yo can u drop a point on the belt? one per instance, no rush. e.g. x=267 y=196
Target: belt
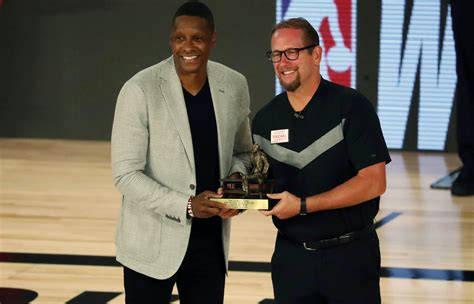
x=343 y=239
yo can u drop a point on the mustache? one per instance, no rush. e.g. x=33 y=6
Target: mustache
x=281 y=70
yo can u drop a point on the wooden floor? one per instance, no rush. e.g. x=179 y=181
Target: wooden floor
x=58 y=210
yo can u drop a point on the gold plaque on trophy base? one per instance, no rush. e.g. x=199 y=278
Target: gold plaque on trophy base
x=244 y=203
x=237 y=198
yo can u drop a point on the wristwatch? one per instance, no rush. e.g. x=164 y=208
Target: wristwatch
x=303 y=206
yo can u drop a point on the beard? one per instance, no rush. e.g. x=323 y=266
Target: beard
x=291 y=86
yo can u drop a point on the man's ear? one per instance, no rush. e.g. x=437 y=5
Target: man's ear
x=213 y=39
x=317 y=53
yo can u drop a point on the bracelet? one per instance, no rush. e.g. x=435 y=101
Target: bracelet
x=190 y=208
x=303 y=206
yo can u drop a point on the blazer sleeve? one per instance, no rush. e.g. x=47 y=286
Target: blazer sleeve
x=243 y=140
x=129 y=156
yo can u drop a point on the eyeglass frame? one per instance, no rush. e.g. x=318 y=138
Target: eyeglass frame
x=298 y=50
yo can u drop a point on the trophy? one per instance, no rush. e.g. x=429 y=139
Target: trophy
x=249 y=191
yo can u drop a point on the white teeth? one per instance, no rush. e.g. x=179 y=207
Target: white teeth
x=287 y=72
x=189 y=57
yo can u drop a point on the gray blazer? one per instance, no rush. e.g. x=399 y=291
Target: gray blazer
x=153 y=161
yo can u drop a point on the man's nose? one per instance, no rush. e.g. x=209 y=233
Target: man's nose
x=188 y=43
x=284 y=60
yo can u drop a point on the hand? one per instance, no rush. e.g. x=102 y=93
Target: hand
x=228 y=213
x=225 y=212
x=203 y=207
x=288 y=206
x=235 y=175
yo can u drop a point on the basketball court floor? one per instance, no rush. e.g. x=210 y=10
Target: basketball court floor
x=58 y=210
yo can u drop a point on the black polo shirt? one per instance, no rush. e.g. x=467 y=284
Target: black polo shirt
x=336 y=134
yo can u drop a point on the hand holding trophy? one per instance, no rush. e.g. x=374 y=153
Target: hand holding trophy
x=249 y=191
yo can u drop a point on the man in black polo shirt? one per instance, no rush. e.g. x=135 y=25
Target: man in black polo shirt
x=327 y=155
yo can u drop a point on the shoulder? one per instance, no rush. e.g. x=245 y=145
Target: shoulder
x=147 y=81
x=271 y=106
x=153 y=73
x=348 y=98
x=269 y=109
x=216 y=68
x=343 y=92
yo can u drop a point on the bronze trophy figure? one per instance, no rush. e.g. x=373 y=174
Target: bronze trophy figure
x=249 y=191
x=258 y=170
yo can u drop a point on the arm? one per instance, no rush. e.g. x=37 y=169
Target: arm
x=129 y=157
x=370 y=182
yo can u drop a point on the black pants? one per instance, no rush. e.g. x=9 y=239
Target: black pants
x=200 y=278
x=348 y=273
x=463 y=22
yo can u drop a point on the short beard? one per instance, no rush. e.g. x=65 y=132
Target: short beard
x=292 y=86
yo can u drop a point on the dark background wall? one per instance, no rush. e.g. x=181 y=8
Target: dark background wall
x=63 y=62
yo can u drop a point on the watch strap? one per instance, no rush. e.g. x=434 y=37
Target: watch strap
x=303 y=210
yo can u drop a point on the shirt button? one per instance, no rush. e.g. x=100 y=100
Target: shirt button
x=192 y=187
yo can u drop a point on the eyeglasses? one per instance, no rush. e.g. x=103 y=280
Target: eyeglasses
x=290 y=54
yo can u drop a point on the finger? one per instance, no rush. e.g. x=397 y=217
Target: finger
x=234 y=212
x=225 y=212
x=266 y=213
x=229 y=213
x=220 y=191
x=210 y=211
x=218 y=205
x=201 y=214
x=210 y=194
x=275 y=195
x=230 y=210
x=215 y=195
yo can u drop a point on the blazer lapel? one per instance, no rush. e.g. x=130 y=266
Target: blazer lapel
x=219 y=93
x=174 y=98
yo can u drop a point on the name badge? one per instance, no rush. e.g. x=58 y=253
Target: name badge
x=279 y=136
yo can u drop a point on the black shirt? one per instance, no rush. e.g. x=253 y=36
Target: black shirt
x=202 y=122
x=337 y=134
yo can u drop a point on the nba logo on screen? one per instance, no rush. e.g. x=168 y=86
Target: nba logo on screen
x=335 y=21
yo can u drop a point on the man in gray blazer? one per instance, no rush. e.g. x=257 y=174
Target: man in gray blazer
x=179 y=127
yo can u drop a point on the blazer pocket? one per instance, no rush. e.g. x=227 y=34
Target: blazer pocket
x=140 y=233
